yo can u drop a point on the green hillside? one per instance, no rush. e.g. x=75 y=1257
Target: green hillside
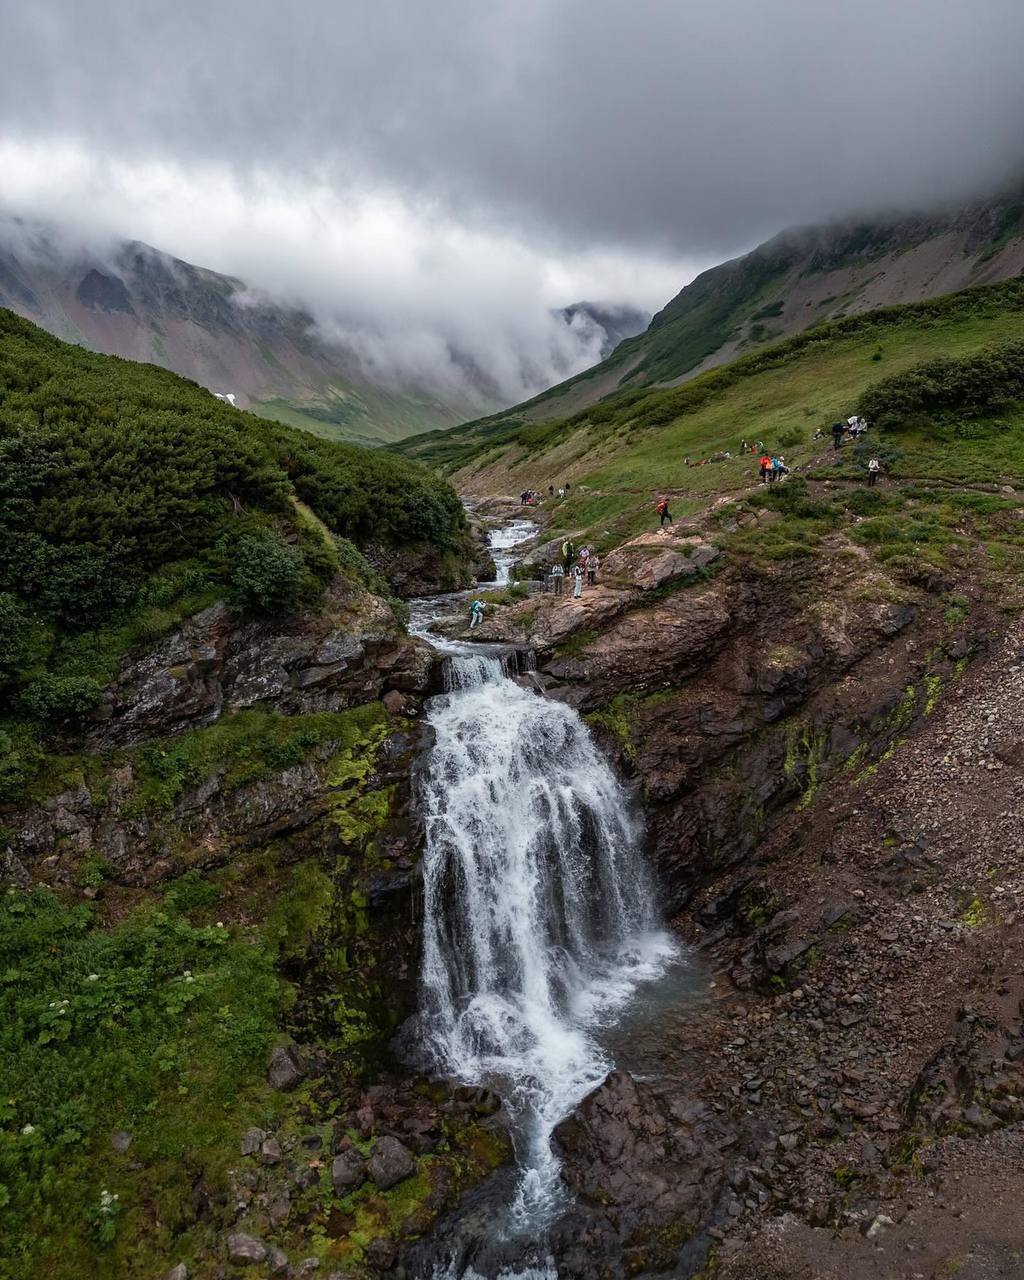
x=635 y=443
x=792 y=283
x=130 y=497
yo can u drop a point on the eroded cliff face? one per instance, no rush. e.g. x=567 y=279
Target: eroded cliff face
x=798 y=733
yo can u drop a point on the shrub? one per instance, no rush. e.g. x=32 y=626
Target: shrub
x=968 y=387
x=14 y=624
x=268 y=574
x=57 y=696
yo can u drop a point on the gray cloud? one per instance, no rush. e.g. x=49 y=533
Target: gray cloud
x=436 y=177
x=698 y=125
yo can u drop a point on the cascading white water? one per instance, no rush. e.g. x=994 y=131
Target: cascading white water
x=538 y=912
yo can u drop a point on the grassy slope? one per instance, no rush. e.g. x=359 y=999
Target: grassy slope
x=616 y=462
x=364 y=416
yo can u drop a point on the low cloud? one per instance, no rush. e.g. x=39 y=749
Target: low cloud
x=467 y=313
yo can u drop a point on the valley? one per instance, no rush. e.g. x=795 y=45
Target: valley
x=672 y=928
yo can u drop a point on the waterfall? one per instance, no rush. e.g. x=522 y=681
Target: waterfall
x=539 y=919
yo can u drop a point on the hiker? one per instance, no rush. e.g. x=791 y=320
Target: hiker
x=577 y=586
x=837 y=435
x=663 y=513
x=476 y=613
x=568 y=554
x=779 y=468
x=764 y=464
x=874 y=466
x=557 y=578
x=584 y=557
x=593 y=564
x=551 y=490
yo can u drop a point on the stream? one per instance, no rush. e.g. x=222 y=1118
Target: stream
x=540 y=916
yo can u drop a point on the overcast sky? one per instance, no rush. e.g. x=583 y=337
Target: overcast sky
x=454 y=168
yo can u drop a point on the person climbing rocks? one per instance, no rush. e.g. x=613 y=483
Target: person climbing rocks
x=663 y=513
x=568 y=554
x=837 y=434
x=476 y=613
x=557 y=578
x=764 y=464
x=584 y=557
x=593 y=564
x=577 y=585
x=874 y=467
x=779 y=468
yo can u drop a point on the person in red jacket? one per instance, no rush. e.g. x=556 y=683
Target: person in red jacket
x=663 y=513
x=765 y=465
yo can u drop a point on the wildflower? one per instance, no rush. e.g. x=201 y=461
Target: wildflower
x=189 y=978
x=93 y=977
x=28 y=1129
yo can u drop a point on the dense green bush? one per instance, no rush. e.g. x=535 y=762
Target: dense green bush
x=57 y=696
x=975 y=386
x=109 y=469
x=267 y=574
x=14 y=625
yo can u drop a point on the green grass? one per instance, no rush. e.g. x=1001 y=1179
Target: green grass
x=630 y=448
x=159 y=1028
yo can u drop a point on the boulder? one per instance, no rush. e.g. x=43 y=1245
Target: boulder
x=652 y=1164
x=245 y=1251
x=287 y=1068
x=251 y=1141
x=348 y=1171
x=391 y=1162
x=178 y=1272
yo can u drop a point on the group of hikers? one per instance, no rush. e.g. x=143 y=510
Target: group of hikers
x=531 y=497
x=773 y=467
x=578 y=565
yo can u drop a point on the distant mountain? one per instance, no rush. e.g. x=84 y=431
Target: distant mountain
x=609 y=322
x=132 y=300
x=797 y=280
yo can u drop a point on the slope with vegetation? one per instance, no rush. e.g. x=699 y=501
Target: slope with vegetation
x=620 y=454
x=206 y=841
x=798 y=280
x=132 y=300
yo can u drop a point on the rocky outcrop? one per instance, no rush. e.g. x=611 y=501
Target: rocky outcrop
x=427 y=571
x=649 y=1171
x=348 y=651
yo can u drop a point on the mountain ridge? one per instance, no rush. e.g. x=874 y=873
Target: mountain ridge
x=798 y=278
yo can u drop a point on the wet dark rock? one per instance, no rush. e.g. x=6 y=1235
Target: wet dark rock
x=382 y=1253
x=390 y=1162
x=653 y=1166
